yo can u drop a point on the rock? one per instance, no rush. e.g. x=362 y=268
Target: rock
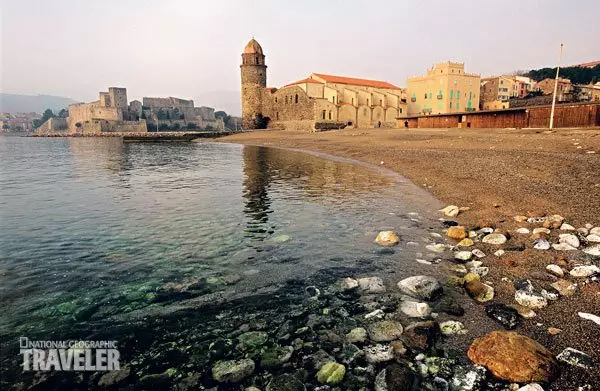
x=541 y=231
x=525 y=312
x=520 y=218
x=467 y=378
x=277 y=356
x=595 y=231
x=371 y=285
x=436 y=248
x=463 y=255
x=575 y=357
x=421 y=336
x=531 y=387
x=592 y=317
x=583 y=231
x=449 y=306
x=503 y=314
x=563 y=247
x=555 y=270
x=593 y=238
x=549 y=295
x=479 y=291
x=232 y=371
x=285 y=382
x=466 y=242
x=387 y=239
x=385 y=331
x=448 y=223
x=471 y=277
x=478 y=253
x=252 y=340
x=524 y=285
x=554 y=331
x=567 y=227
x=499 y=253
x=396 y=377
x=377 y=314
x=481 y=271
x=378 y=353
x=115 y=378
x=473 y=264
x=422 y=287
x=399 y=348
x=553 y=221
x=584 y=271
x=523 y=231
x=514 y=357
x=357 y=335
x=450 y=211
x=593 y=250
x=458 y=269
x=564 y=287
x=319 y=358
x=541 y=244
x=457 y=232
x=569 y=239
x=282 y=238
x=530 y=300
x=415 y=309
x=331 y=373
x=494 y=239
x=451 y=327
x=347 y=284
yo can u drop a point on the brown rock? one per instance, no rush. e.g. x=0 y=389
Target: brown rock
x=457 y=232
x=479 y=291
x=514 y=357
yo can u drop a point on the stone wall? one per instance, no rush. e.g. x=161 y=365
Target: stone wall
x=254 y=82
x=84 y=112
x=53 y=125
x=288 y=104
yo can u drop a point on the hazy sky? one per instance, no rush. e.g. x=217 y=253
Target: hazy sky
x=191 y=48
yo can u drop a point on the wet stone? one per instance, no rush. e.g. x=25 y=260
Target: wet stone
x=232 y=371
x=385 y=331
x=575 y=357
x=357 y=335
x=422 y=287
x=415 y=309
x=467 y=378
x=378 y=353
x=285 y=382
x=449 y=306
x=252 y=340
x=114 y=378
x=275 y=357
x=396 y=377
x=503 y=314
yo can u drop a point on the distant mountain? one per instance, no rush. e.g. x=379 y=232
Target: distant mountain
x=225 y=100
x=14 y=103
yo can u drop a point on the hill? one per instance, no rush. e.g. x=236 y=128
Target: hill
x=579 y=74
x=15 y=103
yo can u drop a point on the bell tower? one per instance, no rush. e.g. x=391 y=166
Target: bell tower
x=254 y=81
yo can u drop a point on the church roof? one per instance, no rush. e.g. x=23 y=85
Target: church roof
x=307 y=80
x=253 y=47
x=355 y=81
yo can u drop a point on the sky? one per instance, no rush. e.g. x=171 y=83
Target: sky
x=192 y=48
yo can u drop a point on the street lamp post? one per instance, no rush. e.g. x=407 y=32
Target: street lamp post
x=555 y=87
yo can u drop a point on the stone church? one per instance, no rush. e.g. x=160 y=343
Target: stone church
x=317 y=102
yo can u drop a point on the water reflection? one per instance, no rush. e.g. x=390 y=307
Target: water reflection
x=257 y=177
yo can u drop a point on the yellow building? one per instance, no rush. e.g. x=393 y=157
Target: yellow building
x=445 y=89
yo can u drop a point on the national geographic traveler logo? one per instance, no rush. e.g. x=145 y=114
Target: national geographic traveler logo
x=69 y=355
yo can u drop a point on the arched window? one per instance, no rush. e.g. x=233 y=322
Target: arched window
x=367 y=101
x=257 y=59
x=352 y=101
x=296 y=98
x=275 y=99
x=277 y=115
x=286 y=99
x=324 y=113
x=329 y=114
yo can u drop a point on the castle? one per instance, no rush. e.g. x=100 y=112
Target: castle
x=319 y=101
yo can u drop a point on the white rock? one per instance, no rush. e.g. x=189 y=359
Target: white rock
x=472 y=264
x=459 y=269
x=348 y=284
x=499 y=253
x=589 y=226
x=371 y=285
x=481 y=271
x=415 y=309
x=424 y=262
x=379 y=353
x=523 y=231
x=494 y=239
x=486 y=230
x=541 y=244
x=541 y=230
x=563 y=247
x=569 y=239
x=549 y=295
x=592 y=317
x=450 y=327
x=435 y=235
x=530 y=300
x=436 y=248
x=387 y=239
x=593 y=238
x=555 y=269
x=567 y=227
x=421 y=287
x=355 y=335
x=472 y=234
x=531 y=387
x=478 y=253
x=584 y=271
x=595 y=231
x=583 y=231
x=463 y=255
x=377 y=314
x=593 y=250
x=450 y=211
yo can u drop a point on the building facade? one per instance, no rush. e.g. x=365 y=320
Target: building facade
x=319 y=101
x=446 y=88
x=563 y=92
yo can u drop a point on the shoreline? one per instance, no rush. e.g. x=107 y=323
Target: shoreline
x=574 y=152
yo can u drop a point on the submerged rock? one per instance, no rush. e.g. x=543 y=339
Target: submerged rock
x=371 y=285
x=503 y=314
x=232 y=371
x=357 y=335
x=421 y=287
x=285 y=382
x=387 y=239
x=347 y=284
x=467 y=378
x=331 y=373
x=575 y=357
x=415 y=309
x=385 y=331
x=514 y=357
x=378 y=353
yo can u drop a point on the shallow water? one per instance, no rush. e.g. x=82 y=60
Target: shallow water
x=91 y=229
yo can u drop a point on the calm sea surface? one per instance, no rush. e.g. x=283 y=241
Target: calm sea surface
x=93 y=229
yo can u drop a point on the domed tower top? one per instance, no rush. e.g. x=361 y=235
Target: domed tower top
x=253 y=54
x=253 y=47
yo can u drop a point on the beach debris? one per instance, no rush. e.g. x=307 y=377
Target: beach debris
x=387 y=239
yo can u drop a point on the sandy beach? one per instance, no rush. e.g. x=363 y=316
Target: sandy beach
x=497 y=174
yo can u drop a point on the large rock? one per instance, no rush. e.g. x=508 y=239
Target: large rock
x=387 y=239
x=396 y=377
x=232 y=371
x=421 y=287
x=514 y=357
x=385 y=331
x=285 y=382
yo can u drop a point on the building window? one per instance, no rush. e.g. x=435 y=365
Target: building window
x=277 y=115
x=275 y=99
x=329 y=114
x=352 y=101
x=457 y=105
x=425 y=95
x=451 y=95
x=450 y=105
x=380 y=102
x=501 y=81
x=256 y=58
x=430 y=95
x=367 y=101
x=324 y=113
x=286 y=99
x=400 y=110
x=458 y=94
x=296 y=98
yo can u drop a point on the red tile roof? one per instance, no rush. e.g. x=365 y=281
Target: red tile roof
x=307 y=80
x=589 y=64
x=355 y=81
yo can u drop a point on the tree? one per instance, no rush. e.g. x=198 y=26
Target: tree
x=224 y=116
x=45 y=117
x=163 y=127
x=143 y=115
x=63 y=113
x=175 y=126
x=5 y=126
